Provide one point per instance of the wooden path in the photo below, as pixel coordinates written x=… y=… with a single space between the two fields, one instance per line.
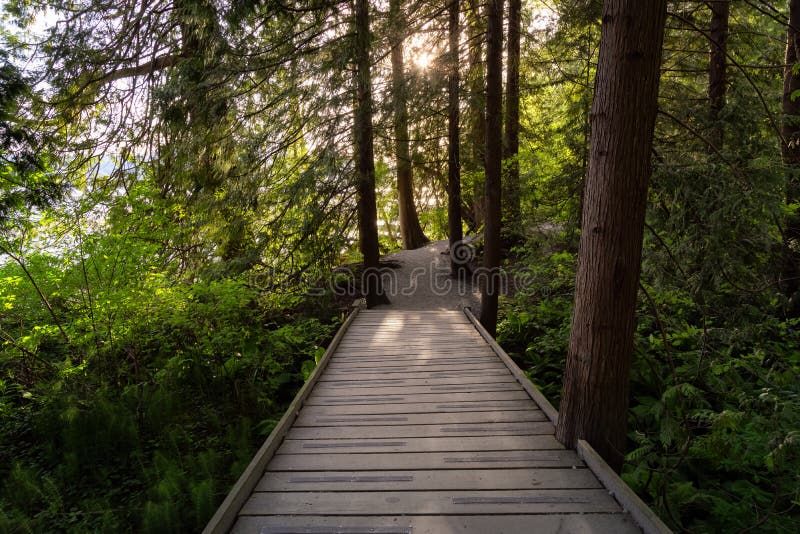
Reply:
x=416 y=422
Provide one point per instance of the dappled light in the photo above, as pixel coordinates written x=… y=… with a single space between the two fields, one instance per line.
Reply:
x=499 y=266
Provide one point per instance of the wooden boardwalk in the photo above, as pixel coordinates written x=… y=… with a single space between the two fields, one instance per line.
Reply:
x=416 y=422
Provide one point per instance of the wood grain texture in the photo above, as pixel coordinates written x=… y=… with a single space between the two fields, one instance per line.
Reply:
x=428 y=480
x=617 y=523
x=432 y=502
x=425 y=460
x=524 y=428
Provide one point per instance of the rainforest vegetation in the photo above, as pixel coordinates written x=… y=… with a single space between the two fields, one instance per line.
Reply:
x=180 y=179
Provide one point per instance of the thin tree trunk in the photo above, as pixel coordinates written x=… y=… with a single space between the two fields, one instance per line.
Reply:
x=367 y=207
x=790 y=154
x=410 y=229
x=594 y=402
x=717 y=74
x=511 y=191
x=458 y=266
x=492 y=255
x=476 y=110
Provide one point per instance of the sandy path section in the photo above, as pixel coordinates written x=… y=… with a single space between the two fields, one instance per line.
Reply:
x=423 y=282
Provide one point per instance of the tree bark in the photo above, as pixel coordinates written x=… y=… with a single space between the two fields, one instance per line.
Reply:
x=594 y=400
x=492 y=255
x=717 y=74
x=511 y=191
x=790 y=154
x=410 y=230
x=458 y=265
x=367 y=207
x=476 y=110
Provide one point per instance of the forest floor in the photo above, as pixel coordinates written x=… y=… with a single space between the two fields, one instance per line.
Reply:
x=422 y=281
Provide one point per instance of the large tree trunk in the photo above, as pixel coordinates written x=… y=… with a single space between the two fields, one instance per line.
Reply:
x=410 y=229
x=790 y=153
x=511 y=193
x=367 y=207
x=458 y=261
x=492 y=255
x=594 y=402
x=476 y=111
x=717 y=73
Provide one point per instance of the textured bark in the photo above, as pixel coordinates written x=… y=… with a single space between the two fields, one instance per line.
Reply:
x=494 y=159
x=458 y=267
x=790 y=153
x=594 y=400
x=717 y=73
x=410 y=230
x=367 y=207
x=476 y=109
x=511 y=198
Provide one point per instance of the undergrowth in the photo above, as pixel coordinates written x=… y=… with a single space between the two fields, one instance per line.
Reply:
x=148 y=431
x=714 y=420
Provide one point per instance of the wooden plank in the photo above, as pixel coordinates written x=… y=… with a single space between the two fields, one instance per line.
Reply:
x=411 y=323
x=401 y=355
x=420 y=375
x=423 y=407
x=446 y=396
x=437 y=444
x=445 y=334
x=468 y=479
x=524 y=428
x=425 y=460
x=432 y=502
x=311 y=419
x=641 y=513
x=532 y=390
x=225 y=516
x=421 y=362
x=327 y=391
x=400 y=347
x=465 y=381
x=615 y=523
x=411 y=343
x=390 y=369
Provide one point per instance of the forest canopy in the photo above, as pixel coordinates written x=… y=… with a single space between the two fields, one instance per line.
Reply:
x=180 y=179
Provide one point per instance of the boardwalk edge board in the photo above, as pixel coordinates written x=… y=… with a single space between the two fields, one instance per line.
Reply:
x=649 y=522
x=226 y=514
x=523 y=380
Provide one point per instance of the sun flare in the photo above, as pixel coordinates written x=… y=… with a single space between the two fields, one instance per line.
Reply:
x=423 y=59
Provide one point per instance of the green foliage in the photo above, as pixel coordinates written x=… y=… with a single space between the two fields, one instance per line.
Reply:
x=537 y=319
x=143 y=420
x=715 y=407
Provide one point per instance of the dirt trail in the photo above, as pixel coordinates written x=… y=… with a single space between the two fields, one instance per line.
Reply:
x=423 y=282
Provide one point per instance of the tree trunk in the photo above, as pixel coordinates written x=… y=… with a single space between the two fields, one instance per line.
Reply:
x=476 y=111
x=494 y=159
x=717 y=75
x=594 y=402
x=790 y=154
x=511 y=192
x=410 y=229
x=458 y=261
x=367 y=207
